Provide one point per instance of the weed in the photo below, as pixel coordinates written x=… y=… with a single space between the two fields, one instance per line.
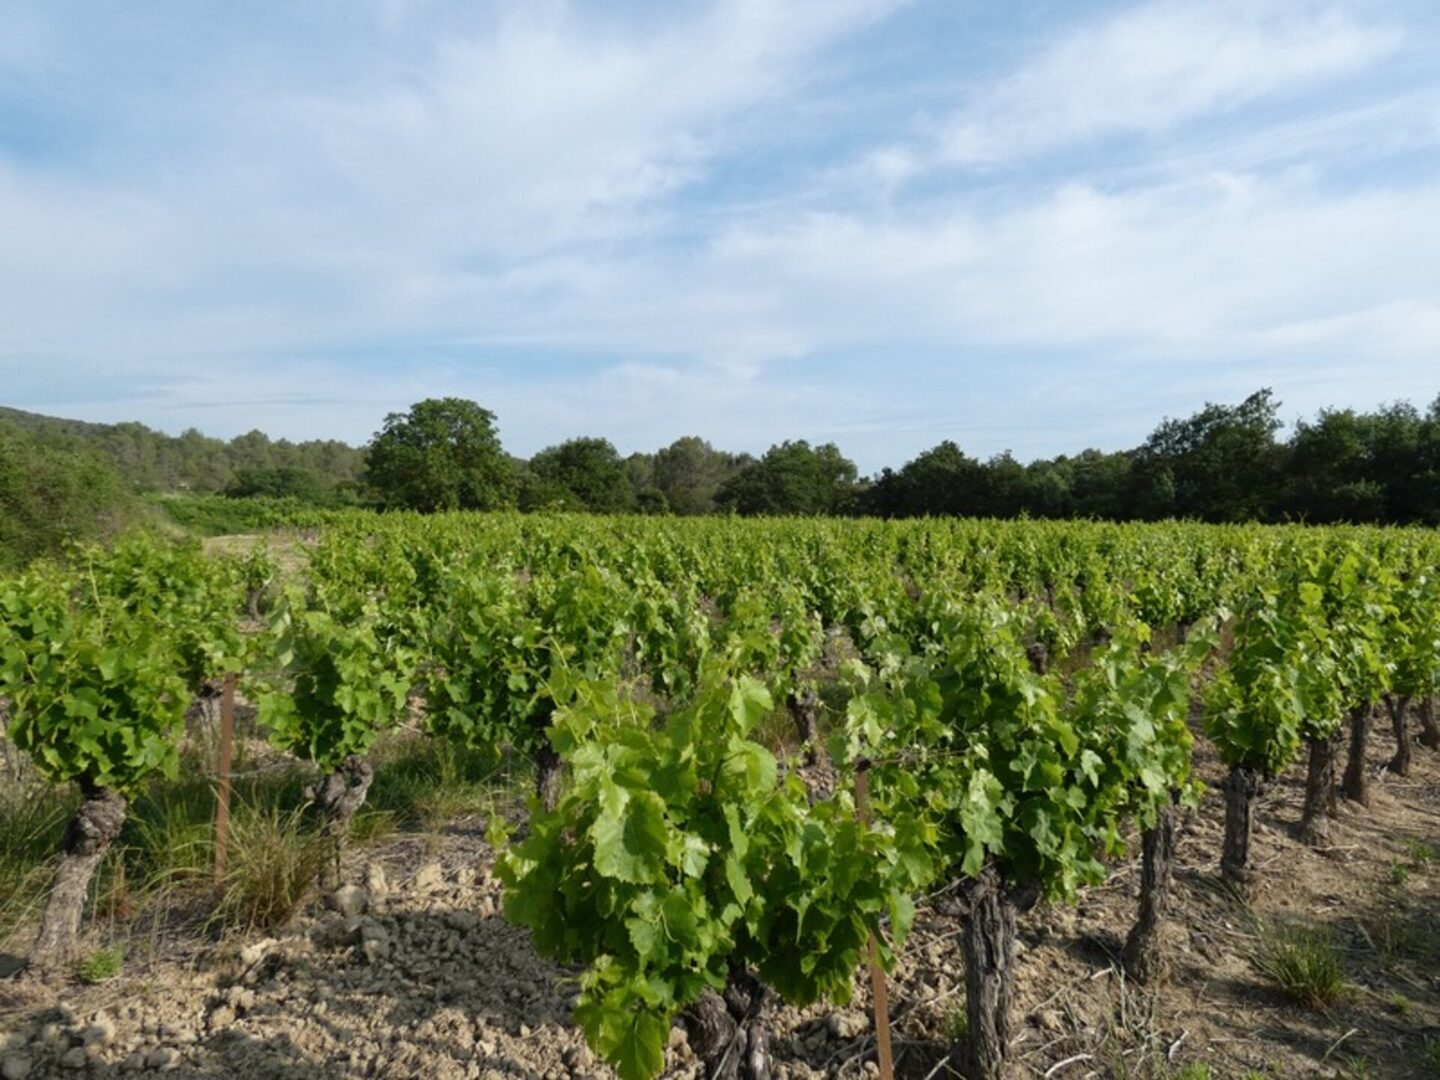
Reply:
x=1431 y=1056
x=955 y=1023
x=777 y=730
x=371 y=826
x=1196 y=1070
x=100 y=966
x=1402 y=1005
x=33 y=818
x=273 y=861
x=427 y=782
x=1303 y=960
x=1399 y=873
x=1398 y=939
x=1421 y=853
x=171 y=834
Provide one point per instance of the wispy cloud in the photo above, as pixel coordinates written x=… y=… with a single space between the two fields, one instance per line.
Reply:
x=666 y=218
x=1150 y=68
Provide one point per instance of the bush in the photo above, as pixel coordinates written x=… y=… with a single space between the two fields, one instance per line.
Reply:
x=54 y=491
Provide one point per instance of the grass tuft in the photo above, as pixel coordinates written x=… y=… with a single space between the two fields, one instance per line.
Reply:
x=424 y=783
x=33 y=818
x=1421 y=853
x=955 y=1024
x=274 y=860
x=1431 y=1055
x=102 y=965
x=1303 y=960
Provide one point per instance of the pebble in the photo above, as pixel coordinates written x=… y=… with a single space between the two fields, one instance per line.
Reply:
x=350 y=900
x=100 y=1031
x=846 y=1026
x=15 y=1067
x=162 y=1057
x=428 y=878
x=74 y=1058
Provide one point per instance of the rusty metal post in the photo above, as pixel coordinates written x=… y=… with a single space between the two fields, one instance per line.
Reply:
x=222 y=803
x=877 y=973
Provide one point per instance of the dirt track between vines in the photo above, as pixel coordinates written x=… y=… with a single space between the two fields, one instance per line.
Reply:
x=429 y=981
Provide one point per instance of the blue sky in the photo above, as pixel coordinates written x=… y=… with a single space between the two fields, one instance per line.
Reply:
x=1034 y=226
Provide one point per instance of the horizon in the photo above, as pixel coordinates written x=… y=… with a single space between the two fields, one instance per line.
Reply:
x=877 y=223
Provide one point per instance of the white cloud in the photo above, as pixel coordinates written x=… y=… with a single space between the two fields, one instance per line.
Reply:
x=1152 y=67
x=1220 y=266
x=475 y=203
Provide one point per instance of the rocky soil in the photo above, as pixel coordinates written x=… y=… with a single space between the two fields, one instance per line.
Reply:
x=408 y=970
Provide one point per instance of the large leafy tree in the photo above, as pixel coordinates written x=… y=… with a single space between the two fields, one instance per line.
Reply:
x=444 y=454
x=589 y=471
x=1221 y=464
x=690 y=471
x=792 y=478
x=942 y=480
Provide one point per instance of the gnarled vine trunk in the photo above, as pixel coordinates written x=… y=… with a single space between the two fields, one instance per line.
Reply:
x=1143 y=955
x=1039 y=657
x=1320 y=799
x=1356 y=787
x=989 y=942
x=547 y=776
x=730 y=1034
x=1429 y=729
x=92 y=831
x=1399 y=706
x=805 y=711
x=1242 y=787
x=338 y=798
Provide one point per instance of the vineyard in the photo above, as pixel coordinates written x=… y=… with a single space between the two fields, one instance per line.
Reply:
x=766 y=762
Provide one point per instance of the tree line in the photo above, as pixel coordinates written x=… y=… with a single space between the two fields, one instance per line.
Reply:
x=68 y=479
x=1223 y=463
x=322 y=471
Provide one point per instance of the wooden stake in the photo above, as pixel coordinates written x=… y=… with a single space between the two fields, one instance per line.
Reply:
x=222 y=803
x=877 y=973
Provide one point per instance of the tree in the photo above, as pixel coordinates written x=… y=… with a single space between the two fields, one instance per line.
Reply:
x=444 y=454
x=1221 y=464
x=1098 y=484
x=644 y=495
x=590 y=470
x=284 y=482
x=689 y=472
x=942 y=480
x=52 y=491
x=792 y=478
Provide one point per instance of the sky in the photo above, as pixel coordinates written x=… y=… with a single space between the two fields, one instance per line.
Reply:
x=1034 y=225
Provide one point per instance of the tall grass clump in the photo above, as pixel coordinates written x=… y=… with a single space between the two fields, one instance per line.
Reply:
x=33 y=817
x=274 y=860
x=1303 y=961
x=170 y=839
x=424 y=782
